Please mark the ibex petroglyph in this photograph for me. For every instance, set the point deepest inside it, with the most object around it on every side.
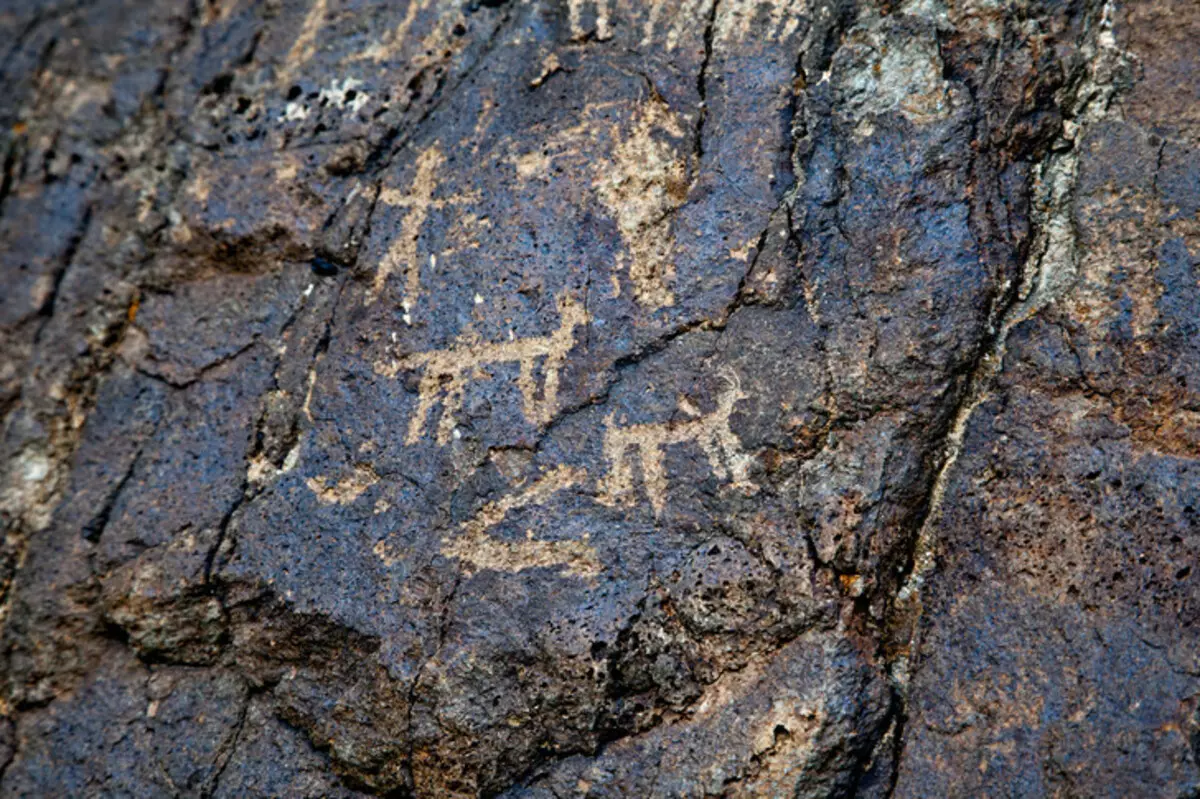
(710, 432)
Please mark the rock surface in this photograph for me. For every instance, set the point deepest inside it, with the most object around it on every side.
(548, 398)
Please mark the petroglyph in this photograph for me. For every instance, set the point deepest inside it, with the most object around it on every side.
(641, 183)
(305, 45)
(434, 36)
(345, 490)
(445, 373)
(402, 254)
(642, 187)
(474, 546)
(710, 432)
(779, 19)
(690, 14)
(603, 24)
(572, 146)
(395, 38)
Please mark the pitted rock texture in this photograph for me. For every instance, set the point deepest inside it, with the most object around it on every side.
(549, 398)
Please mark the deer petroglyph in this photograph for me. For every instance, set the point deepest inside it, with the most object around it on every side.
(446, 373)
(711, 432)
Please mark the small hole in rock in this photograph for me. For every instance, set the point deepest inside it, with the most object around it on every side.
(220, 84)
(323, 267)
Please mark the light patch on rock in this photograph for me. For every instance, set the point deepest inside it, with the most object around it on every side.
(199, 187)
(602, 25)
(347, 489)
(304, 48)
(783, 741)
(743, 253)
(550, 65)
(773, 20)
(261, 470)
(473, 545)
(643, 185)
(394, 40)
(688, 18)
(882, 73)
(27, 489)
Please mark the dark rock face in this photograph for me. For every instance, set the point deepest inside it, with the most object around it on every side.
(600, 398)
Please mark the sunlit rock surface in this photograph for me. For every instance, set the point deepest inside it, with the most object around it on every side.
(607, 398)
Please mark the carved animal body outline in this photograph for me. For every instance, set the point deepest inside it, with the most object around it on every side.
(446, 373)
(710, 432)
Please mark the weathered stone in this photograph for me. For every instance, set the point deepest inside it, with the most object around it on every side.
(1057, 655)
(599, 398)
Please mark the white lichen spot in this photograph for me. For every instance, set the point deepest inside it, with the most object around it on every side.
(344, 95)
(295, 111)
(34, 466)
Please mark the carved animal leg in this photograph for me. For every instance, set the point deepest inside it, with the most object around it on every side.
(549, 404)
(451, 405)
(654, 475)
(617, 484)
(427, 394)
(711, 445)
